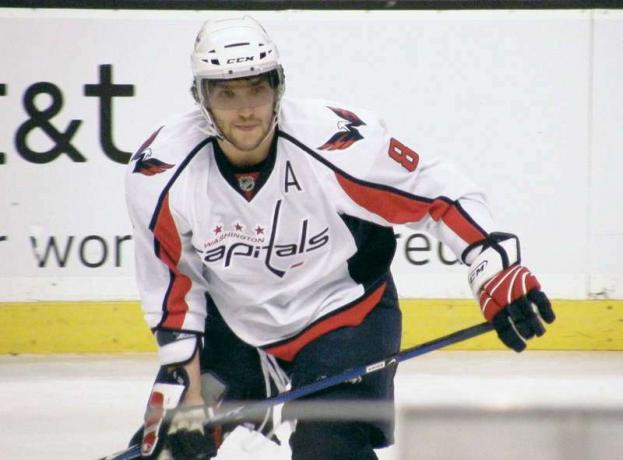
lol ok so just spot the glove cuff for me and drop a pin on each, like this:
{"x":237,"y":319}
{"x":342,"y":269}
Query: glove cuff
{"x":498,"y":252}
{"x":166,"y":394}
{"x":175,"y":347}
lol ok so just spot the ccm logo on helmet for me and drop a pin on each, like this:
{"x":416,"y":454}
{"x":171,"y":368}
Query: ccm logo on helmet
{"x":240,"y":59}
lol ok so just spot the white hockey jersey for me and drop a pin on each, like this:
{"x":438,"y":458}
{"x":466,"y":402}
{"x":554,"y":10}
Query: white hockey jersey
{"x":310,"y":251}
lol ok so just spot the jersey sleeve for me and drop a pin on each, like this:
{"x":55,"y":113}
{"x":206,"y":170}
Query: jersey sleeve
{"x":393,"y":184}
{"x":168,"y":273}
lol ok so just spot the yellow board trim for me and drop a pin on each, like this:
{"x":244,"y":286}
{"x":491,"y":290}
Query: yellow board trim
{"x":114,"y":327}
{"x":579,"y":325}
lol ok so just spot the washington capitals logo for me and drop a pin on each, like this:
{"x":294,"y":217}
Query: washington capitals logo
{"x":150,"y":166}
{"x":145,"y":164}
{"x":347,"y":134}
{"x":278,"y":256}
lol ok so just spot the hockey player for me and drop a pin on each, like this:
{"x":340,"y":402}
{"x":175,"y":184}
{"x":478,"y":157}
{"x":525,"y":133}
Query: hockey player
{"x":263,"y":232}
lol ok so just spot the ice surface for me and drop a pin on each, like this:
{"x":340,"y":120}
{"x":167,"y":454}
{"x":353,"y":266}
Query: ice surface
{"x":70,"y":407}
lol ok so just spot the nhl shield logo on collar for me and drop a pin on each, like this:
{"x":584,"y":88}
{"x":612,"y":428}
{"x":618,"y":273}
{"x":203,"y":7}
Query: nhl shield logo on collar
{"x":246,"y":183}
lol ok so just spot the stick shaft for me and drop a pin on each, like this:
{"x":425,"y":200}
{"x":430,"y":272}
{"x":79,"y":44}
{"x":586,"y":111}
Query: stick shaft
{"x":319,"y":385}
{"x":244,"y":412}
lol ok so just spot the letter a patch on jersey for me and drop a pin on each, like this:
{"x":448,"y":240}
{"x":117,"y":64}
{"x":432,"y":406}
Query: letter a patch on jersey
{"x":348,"y":133}
{"x":291,"y":180}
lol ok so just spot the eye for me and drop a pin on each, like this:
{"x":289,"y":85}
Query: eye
{"x":259,"y":89}
{"x":223,"y":94}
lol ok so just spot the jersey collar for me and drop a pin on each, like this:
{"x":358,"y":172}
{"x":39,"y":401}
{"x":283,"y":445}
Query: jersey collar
{"x":259,"y":172}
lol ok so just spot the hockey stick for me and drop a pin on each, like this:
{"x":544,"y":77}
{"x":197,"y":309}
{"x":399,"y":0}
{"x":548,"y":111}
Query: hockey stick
{"x":247,"y":412}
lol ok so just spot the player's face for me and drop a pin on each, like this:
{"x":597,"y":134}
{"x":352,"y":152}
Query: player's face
{"x":243,"y":111}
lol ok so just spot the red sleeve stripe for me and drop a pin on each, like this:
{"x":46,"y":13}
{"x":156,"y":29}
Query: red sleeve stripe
{"x":398,"y":208}
{"x":169,"y":250}
{"x":452,"y":214}
{"x":351,"y":315}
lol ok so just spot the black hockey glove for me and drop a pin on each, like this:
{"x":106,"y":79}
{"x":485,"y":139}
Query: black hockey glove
{"x":510,"y":296}
{"x":179,"y":431}
{"x":189,"y":438}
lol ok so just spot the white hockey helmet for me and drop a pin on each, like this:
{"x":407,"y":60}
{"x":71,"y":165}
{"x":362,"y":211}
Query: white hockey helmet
{"x":227,"y":49}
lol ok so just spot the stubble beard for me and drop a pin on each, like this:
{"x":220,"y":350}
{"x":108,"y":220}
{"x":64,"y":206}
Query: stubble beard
{"x":251,"y":144}
{"x":248,"y":144}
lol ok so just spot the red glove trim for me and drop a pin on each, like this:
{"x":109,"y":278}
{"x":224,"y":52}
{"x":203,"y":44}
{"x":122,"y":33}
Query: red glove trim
{"x":504,"y":288}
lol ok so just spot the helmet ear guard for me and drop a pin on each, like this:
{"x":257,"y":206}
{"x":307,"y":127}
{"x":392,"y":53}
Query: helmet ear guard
{"x":194,"y":93}
{"x":231,"y":49}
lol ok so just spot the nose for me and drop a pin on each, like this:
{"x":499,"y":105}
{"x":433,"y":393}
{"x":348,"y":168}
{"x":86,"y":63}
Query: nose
{"x":245,"y":112}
